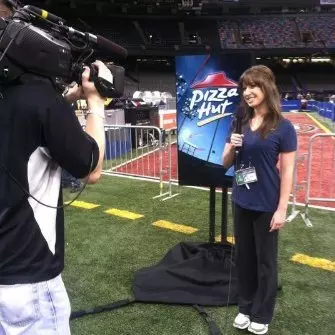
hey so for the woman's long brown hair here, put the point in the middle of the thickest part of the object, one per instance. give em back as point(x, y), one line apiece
point(263, 77)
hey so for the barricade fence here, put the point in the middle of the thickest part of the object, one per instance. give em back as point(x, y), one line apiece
point(320, 175)
point(299, 178)
point(146, 152)
point(139, 151)
point(295, 188)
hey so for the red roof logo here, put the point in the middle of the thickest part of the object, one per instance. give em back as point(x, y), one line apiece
point(215, 80)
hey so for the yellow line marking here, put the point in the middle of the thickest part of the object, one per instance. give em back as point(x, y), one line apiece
point(319, 124)
point(314, 262)
point(124, 214)
point(230, 239)
point(175, 227)
point(83, 204)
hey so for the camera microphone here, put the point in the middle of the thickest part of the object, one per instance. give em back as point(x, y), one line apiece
point(104, 44)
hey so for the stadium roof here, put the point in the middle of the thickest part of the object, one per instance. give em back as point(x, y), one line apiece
point(175, 7)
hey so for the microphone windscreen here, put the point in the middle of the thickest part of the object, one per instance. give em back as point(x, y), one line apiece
point(106, 45)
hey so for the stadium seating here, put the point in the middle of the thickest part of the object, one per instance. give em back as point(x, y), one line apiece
point(270, 32)
point(322, 28)
point(315, 77)
point(278, 32)
point(228, 32)
point(291, 31)
point(164, 37)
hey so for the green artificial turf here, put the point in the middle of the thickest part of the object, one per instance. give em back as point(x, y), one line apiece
point(325, 121)
point(103, 252)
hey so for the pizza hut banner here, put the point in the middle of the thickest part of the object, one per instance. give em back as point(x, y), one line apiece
point(207, 97)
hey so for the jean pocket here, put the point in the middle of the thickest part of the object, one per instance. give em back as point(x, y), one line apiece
point(19, 304)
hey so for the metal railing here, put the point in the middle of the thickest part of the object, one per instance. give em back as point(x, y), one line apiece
point(322, 179)
point(298, 182)
point(139, 151)
point(295, 187)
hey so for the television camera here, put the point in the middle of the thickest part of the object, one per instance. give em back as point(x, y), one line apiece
point(40, 44)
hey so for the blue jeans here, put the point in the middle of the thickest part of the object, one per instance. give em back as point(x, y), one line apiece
point(68, 180)
point(35, 309)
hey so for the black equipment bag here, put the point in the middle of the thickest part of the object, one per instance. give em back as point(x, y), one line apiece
point(191, 274)
point(196, 274)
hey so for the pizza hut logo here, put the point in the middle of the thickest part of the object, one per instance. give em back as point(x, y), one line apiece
point(212, 96)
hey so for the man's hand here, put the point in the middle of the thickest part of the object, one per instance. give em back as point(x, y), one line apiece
point(74, 93)
point(278, 220)
point(90, 92)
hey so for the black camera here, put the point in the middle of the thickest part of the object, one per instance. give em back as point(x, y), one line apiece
point(39, 43)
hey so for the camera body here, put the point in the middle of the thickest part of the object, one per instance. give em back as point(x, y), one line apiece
point(48, 50)
point(104, 87)
point(36, 51)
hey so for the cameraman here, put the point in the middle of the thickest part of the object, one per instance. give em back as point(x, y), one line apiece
point(6, 8)
point(39, 135)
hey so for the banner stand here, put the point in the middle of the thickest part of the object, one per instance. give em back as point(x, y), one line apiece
point(224, 214)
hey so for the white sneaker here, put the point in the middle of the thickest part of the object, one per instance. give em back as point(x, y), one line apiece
point(258, 328)
point(242, 321)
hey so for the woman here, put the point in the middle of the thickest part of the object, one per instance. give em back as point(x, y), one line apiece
point(260, 194)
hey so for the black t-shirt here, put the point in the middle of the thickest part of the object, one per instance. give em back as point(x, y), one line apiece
point(39, 135)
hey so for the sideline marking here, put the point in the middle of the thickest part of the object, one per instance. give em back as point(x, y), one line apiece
point(175, 227)
point(83, 204)
point(123, 214)
point(319, 124)
point(314, 262)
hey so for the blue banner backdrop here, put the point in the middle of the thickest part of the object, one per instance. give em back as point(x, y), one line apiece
point(207, 96)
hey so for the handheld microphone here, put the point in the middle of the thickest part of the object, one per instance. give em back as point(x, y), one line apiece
point(43, 14)
point(239, 114)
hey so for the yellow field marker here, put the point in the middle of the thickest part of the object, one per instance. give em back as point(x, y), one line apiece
point(319, 124)
point(124, 214)
point(230, 239)
point(175, 227)
point(314, 262)
point(83, 204)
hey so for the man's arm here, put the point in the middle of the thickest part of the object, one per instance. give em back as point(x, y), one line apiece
point(95, 128)
point(95, 116)
point(67, 142)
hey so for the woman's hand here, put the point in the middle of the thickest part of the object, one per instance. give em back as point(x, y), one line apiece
point(236, 140)
point(278, 220)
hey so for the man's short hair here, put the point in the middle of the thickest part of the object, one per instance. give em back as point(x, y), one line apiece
point(6, 8)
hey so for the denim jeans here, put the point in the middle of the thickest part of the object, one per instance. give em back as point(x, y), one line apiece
point(35, 309)
point(68, 180)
